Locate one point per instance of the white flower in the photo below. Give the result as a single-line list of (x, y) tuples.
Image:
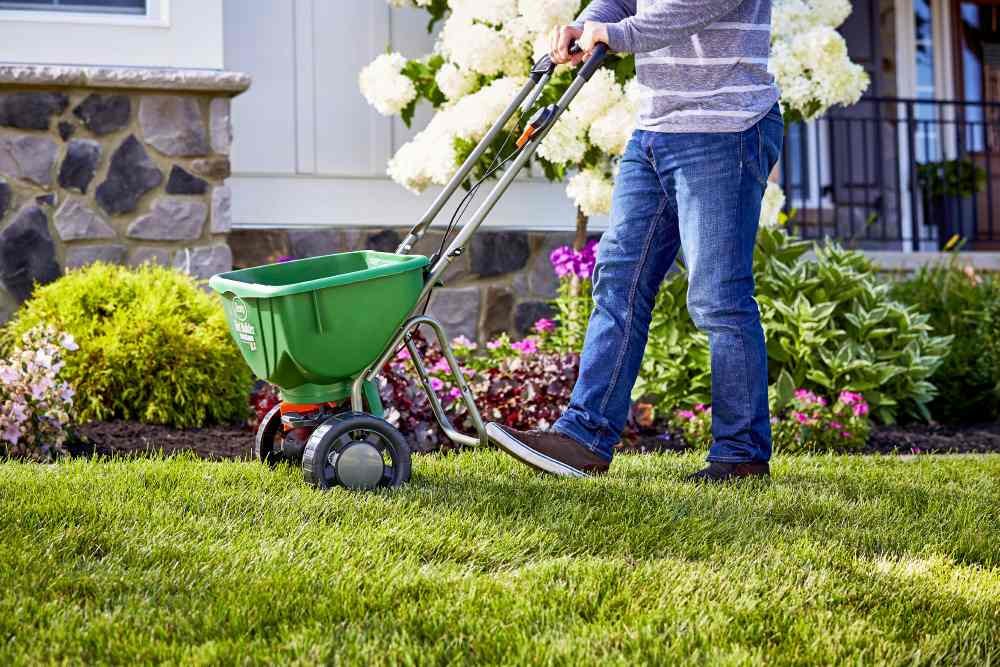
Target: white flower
[(455, 82), (564, 142), (613, 129), (600, 94), (591, 191), (792, 17), (496, 12), (410, 3), (477, 47), (771, 205), (547, 14), (383, 85), (430, 158), (814, 72)]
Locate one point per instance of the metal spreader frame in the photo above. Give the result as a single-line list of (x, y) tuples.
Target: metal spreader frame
[(526, 98)]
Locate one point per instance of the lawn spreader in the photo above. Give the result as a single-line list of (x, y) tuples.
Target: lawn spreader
[(322, 328)]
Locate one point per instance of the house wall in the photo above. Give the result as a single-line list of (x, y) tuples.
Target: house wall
[(318, 152), (177, 33)]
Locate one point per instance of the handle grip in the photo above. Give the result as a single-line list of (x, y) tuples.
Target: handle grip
[(546, 66)]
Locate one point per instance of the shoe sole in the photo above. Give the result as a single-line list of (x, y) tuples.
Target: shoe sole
[(525, 454)]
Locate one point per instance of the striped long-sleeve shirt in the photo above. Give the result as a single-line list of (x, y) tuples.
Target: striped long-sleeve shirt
[(701, 64)]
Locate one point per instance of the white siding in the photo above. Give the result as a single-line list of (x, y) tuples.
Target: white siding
[(308, 150), (178, 33)]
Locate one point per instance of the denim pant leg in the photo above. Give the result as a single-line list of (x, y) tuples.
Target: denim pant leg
[(632, 259), (718, 184)]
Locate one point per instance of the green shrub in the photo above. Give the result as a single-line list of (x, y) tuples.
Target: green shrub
[(153, 346), (831, 326), (967, 306)]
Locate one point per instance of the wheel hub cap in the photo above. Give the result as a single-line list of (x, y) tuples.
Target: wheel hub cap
[(360, 466)]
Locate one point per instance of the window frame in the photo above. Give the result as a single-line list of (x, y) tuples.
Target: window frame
[(157, 16)]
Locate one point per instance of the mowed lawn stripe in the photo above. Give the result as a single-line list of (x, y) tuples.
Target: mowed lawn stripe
[(838, 559)]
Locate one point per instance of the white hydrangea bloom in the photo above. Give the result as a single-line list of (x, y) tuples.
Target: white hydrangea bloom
[(547, 14), (600, 94), (792, 17), (770, 207), (430, 158), (613, 129), (455, 82), (591, 191), (409, 3), (476, 47), (564, 142), (495, 12), (814, 72), (383, 85)]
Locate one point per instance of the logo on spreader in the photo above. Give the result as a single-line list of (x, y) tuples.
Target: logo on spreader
[(240, 309)]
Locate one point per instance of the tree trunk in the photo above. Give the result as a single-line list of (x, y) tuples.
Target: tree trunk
[(578, 242), (581, 230)]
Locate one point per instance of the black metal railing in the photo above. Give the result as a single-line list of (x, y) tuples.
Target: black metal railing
[(897, 174)]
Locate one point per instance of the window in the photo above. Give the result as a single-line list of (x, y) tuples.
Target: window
[(79, 6)]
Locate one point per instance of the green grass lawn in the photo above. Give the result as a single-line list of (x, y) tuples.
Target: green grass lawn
[(838, 560)]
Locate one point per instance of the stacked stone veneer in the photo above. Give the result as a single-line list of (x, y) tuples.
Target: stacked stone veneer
[(119, 165), (502, 283)]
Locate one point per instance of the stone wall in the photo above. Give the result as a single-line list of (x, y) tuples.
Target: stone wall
[(503, 282), (118, 165)]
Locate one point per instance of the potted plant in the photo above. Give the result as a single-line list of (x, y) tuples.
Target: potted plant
[(949, 188)]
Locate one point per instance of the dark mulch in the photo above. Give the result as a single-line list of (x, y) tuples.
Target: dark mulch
[(934, 439), (121, 438), (234, 442)]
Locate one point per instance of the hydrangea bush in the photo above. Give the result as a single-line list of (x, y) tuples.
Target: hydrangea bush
[(484, 53), (36, 403), (808, 423)]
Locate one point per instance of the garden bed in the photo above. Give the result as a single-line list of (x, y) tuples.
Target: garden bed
[(233, 442)]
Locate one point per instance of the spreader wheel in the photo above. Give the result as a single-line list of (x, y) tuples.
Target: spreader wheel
[(265, 446), (357, 451)]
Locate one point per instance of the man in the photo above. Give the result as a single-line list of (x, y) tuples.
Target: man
[(692, 178)]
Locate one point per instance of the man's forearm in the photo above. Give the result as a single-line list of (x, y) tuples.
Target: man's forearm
[(663, 23)]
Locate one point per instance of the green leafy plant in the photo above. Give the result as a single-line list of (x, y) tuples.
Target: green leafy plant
[(831, 324), (153, 346), (803, 422), (951, 178), (965, 305)]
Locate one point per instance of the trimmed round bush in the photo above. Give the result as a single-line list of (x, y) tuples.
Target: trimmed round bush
[(154, 347)]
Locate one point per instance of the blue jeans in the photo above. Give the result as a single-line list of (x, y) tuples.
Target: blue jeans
[(700, 193)]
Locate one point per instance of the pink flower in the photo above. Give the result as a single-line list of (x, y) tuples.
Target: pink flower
[(543, 325), (836, 426), (861, 409), (437, 384), (800, 417), (701, 407), (462, 341), (441, 365), (526, 346), (403, 354), (686, 414), (454, 393), (494, 344), (850, 398), (845, 434)]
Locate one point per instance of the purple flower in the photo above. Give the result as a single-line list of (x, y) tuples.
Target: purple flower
[(454, 393), (861, 409), (403, 354), (836, 426), (543, 325), (800, 417), (437, 384), (441, 365), (494, 344), (686, 414), (526, 346)]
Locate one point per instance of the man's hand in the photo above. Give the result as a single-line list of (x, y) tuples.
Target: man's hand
[(562, 39), (594, 33)]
